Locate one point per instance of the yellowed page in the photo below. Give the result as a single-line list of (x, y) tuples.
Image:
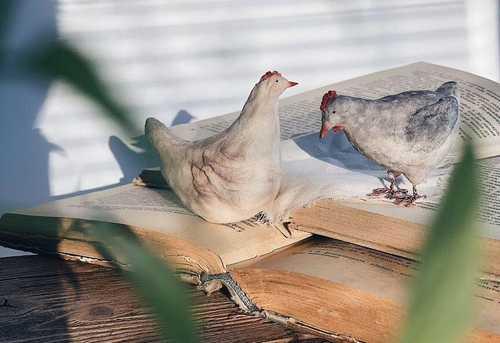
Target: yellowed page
[(160, 210), (378, 274)]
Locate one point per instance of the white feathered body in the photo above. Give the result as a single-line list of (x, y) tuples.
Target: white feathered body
[(231, 176)]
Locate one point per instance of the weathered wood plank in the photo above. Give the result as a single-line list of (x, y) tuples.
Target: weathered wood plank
[(48, 300)]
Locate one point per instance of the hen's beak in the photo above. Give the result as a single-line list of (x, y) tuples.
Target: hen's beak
[(291, 84), (324, 129)]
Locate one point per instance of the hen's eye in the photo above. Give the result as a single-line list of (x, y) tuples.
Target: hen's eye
[(334, 112), (277, 80)]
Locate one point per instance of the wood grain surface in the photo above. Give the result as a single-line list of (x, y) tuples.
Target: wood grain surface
[(44, 299)]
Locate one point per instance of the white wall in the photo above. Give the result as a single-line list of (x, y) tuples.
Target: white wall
[(201, 58)]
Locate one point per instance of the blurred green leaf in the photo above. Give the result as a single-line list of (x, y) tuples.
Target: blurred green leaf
[(441, 306), (152, 279), (60, 60), (6, 12), (5, 15)]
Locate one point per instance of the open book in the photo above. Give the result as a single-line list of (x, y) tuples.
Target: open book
[(157, 217), (334, 288)]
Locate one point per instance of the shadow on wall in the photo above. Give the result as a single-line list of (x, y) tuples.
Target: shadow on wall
[(131, 162), (24, 153), (132, 158), (24, 150)]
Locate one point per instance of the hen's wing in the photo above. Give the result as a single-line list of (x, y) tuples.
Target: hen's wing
[(429, 127), (216, 172)]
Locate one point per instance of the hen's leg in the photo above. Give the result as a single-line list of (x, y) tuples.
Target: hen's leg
[(262, 217), (391, 190), (396, 192), (266, 218)]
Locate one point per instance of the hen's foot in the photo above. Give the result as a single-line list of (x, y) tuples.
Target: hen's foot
[(263, 218), (408, 200), (397, 194), (389, 193), (379, 191)]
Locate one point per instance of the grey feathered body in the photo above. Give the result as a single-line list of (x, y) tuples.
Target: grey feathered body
[(230, 176), (410, 132)]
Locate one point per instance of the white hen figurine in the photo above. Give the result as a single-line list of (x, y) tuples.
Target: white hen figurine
[(408, 133), (235, 174)]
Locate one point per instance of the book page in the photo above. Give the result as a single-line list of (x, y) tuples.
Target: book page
[(161, 211), (382, 275), (316, 179)]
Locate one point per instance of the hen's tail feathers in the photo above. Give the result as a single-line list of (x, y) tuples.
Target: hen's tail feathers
[(449, 88), (165, 143)]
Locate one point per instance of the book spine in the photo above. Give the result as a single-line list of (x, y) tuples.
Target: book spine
[(213, 282)]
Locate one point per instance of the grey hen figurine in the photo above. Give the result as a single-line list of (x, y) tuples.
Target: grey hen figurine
[(235, 174), (408, 133)]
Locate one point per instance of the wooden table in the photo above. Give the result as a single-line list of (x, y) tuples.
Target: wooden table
[(44, 299)]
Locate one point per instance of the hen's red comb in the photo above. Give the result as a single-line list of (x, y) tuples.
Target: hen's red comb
[(268, 74), (327, 98)]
